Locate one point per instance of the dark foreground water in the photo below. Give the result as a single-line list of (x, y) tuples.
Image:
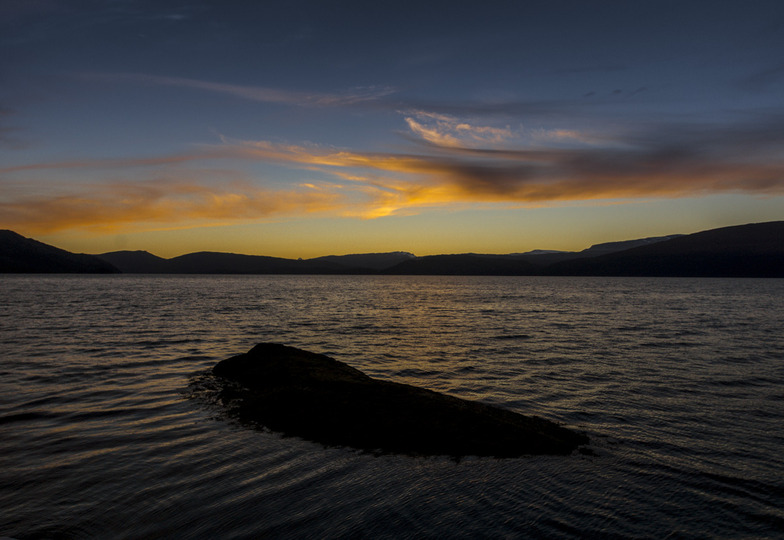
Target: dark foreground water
[(678, 382)]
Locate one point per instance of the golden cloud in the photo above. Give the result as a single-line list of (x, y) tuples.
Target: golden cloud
[(156, 205), (443, 172), (473, 175)]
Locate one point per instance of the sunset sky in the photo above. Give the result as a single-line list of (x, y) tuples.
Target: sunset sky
[(300, 129)]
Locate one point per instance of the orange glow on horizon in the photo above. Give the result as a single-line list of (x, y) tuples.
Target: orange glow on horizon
[(372, 185)]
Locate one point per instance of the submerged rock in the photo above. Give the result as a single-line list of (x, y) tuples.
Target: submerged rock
[(317, 398)]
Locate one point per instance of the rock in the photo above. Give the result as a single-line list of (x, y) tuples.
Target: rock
[(317, 398)]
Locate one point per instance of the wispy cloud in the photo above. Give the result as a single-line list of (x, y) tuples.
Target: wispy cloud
[(671, 161), (258, 93), (667, 161), (121, 163), (159, 204), (556, 134), (450, 131), (432, 135), (379, 97)]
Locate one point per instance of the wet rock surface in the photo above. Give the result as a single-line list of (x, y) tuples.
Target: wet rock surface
[(315, 397)]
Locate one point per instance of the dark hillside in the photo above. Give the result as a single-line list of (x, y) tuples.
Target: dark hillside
[(754, 250), (25, 255), (231, 263), (369, 261), (136, 262)]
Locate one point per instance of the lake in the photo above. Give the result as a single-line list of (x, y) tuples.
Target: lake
[(679, 383)]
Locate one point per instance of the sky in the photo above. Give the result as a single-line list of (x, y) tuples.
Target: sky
[(305, 128)]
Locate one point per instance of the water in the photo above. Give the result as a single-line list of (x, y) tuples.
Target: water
[(678, 382)]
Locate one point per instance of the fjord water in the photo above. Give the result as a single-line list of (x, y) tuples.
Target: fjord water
[(678, 382)]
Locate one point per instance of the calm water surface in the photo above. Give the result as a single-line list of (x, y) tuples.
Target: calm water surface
[(678, 382)]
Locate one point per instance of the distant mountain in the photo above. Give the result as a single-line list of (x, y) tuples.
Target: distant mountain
[(539, 252), (370, 261), (142, 262), (754, 250), (530, 263), (606, 248), (25, 255), (231, 263), (136, 262), (544, 258)]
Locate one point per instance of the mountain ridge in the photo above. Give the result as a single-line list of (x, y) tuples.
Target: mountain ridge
[(25, 255), (750, 250)]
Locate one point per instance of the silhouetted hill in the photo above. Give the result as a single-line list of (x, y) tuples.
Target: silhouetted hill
[(754, 250), (206, 262), (519, 264), (606, 248), (143, 262), (370, 261), (136, 262), (25, 255), (465, 265), (542, 257)]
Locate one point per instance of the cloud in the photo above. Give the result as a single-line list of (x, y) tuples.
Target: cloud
[(529, 110), (259, 93), (561, 135), (450, 131), (667, 161), (113, 163), (664, 161), (374, 96), (381, 97), (159, 204), (432, 135)]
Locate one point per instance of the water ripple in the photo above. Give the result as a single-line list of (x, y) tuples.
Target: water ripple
[(678, 382)]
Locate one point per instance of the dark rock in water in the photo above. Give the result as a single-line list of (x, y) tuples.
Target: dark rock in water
[(315, 397)]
